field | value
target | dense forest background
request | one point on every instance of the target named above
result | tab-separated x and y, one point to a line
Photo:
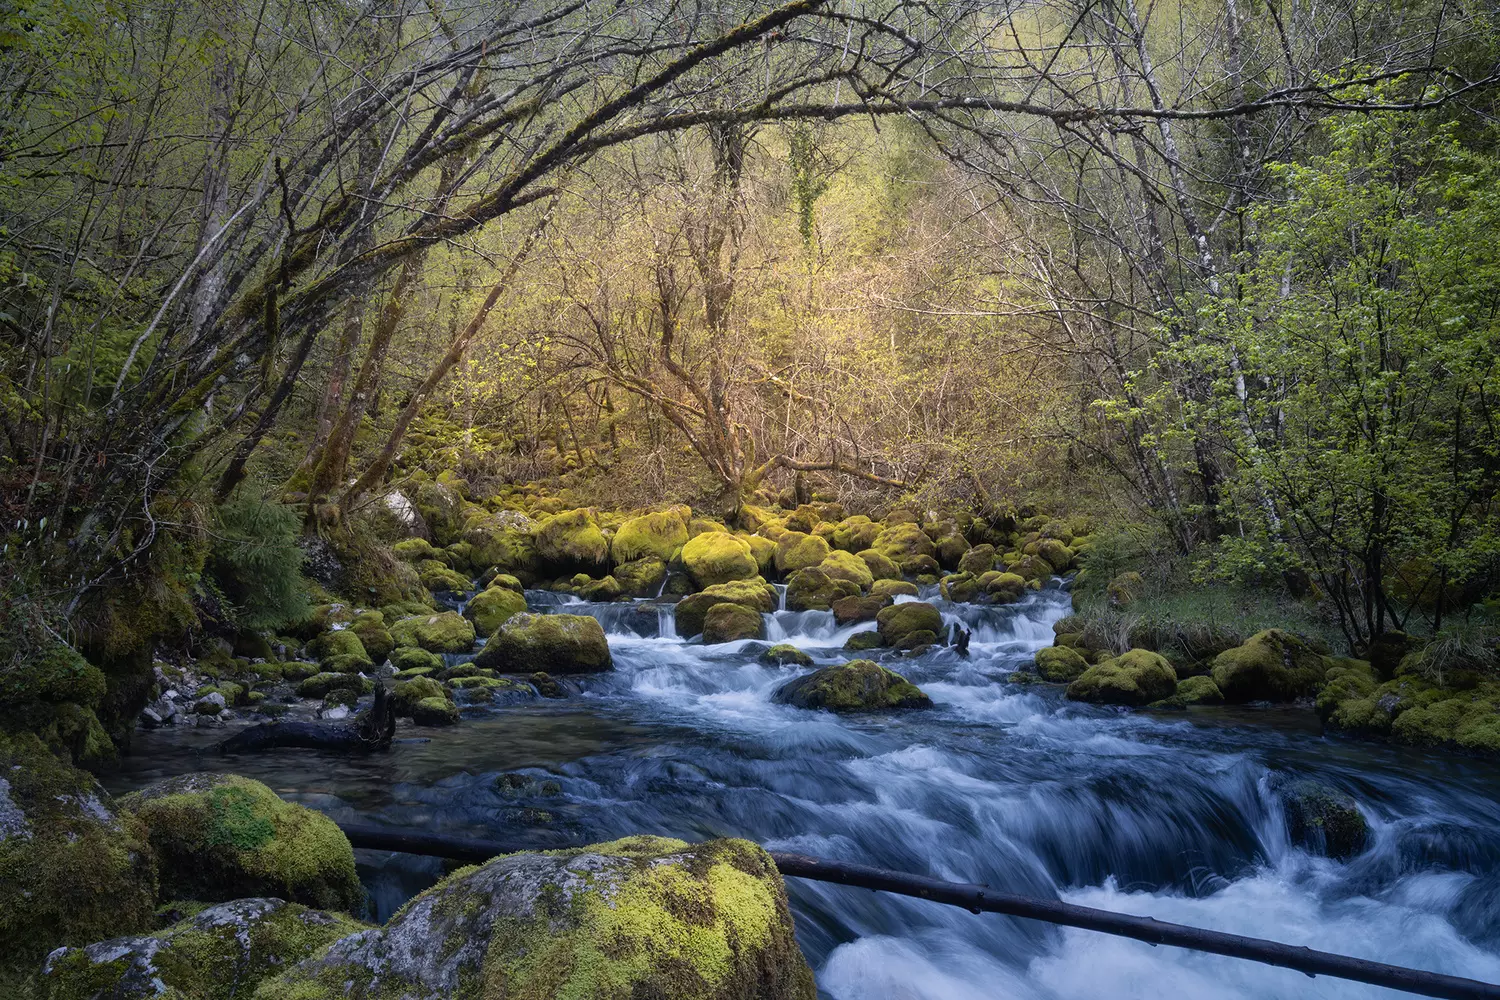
1224	277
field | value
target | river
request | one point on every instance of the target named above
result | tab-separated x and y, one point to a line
1172	815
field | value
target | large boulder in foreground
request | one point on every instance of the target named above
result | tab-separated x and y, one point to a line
72	870
1060	665
1271	666
557	644
220	953
1135	678
637	918
718	557
1324	820
901	622
492	607
445	632
732	622
856	686
222	837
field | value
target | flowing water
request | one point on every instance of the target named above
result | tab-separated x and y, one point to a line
1169	815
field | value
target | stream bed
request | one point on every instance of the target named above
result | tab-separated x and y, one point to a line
1171	815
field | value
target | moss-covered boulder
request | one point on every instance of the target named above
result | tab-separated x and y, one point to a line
1058	555
1030	568
1467	720
407	693
756	595
220	953
321	684
962	588
841	565
861	642
763	550
950	546
1199	690
1324	820
636	918
732	622
414	550
439	577
1060	665
434	712
444	632
572	541
54	692
641	577
658	536
1271	666
718	557
442	507
855	534
504	542
978	560
849	610
557	644
222	836
1135	678
903	542
811	589
856	686
343	642
72	870
897	622
492	607
1004	588
796	550
409	658
1125	589
786	655
893	588
373	635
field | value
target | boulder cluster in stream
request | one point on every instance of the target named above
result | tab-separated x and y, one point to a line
210	887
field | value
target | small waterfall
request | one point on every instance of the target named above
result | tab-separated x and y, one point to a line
780	596
666	620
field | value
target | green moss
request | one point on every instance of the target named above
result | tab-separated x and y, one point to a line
71	870
1005	588
406	694
444	632
414	550
1058	555
319	685
1324	820
755	594
854	534
55	693
1059	664
903	542
658	536
784	654
763	550
856	686
1199	691
811	589
717	557
644	917
641	577
344	642
1271	666
222	837
862	641
1135	678
560	644
978	560
842	565
219	953
434	712
796	550
489	609
730	622
572	540
373	635
439	577
900	620
892	588
411	658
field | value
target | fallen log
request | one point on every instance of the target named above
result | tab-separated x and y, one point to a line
370	731
983	899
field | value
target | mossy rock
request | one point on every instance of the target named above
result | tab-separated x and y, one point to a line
602	591
572	541
1005	588
811	589
641	577
222	836
717	557
962	588
319	685
373	635
1060	665
444	632
902	542
893	589
860	642
1135	678
803	519
1271	666
900	620
57	694
1324	820
842	565
220	953
978	560
1463	720
1199	690
732	622
557	644
414	550
797	550
434	712
344	642
438	577
406	694
1345	680
72	870
786	655
491	608
923	569
644	917
442	507
1031	568
756	594
407	659
659	536
1057	554
951	548
856	686
849	610
1125	589
855	534
503	542
881	567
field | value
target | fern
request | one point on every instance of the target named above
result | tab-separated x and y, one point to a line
257	563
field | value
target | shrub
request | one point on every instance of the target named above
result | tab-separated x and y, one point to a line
257	564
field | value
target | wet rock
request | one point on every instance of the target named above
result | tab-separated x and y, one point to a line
1060	665
732	622
445	632
899	621
883	568
1271	666
491	608
559	644
406	695
861	641
546	686
785	655
755	594
437	711
210	704
893	588
72	869
1324	820
1135	678
222	836
856	686
811	589
220	953
641	917
848	610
